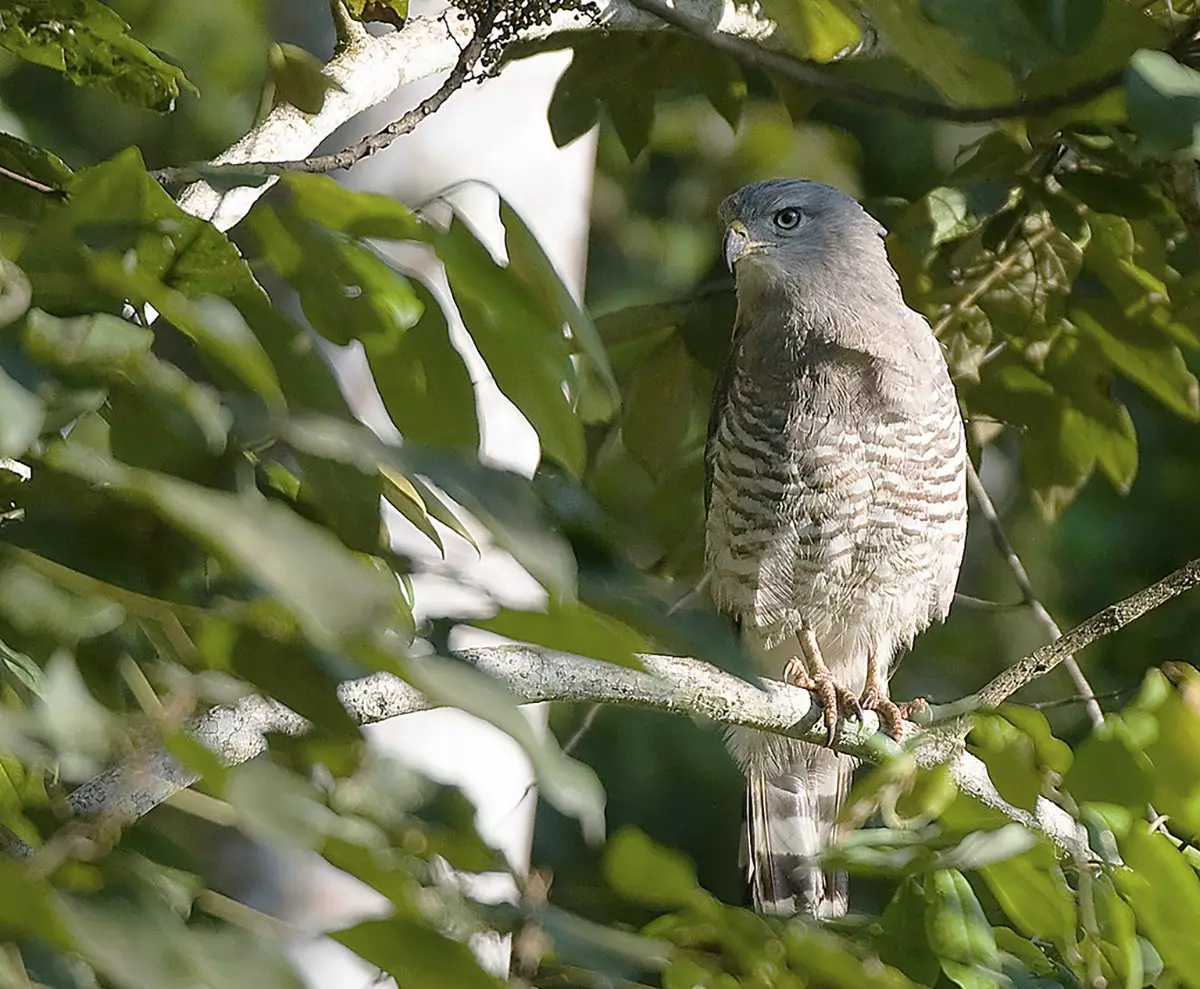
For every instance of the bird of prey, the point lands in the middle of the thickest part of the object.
(835, 498)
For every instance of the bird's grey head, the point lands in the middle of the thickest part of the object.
(789, 228)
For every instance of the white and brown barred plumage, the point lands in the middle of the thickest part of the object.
(835, 494)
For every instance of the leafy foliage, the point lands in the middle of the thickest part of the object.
(201, 515)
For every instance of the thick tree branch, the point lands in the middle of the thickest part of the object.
(1021, 575)
(369, 68)
(671, 684)
(348, 157)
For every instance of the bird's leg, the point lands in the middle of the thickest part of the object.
(875, 698)
(810, 672)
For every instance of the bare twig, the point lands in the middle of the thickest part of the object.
(1104, 622)
(347, 157)
(34, 184)
(840, 87)
(1000, 538)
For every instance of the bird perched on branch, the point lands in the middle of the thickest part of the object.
(836, 502)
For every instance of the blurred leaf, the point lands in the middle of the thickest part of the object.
(21, 416)
(280, 807)
(393, 12)
(939, 53)
(904, 944)
(90, 44)
(611, 951)
(98, 342)
(424, 383)
(569, 786)
(1109, 769)
(819, 30)
(335, 596)
(1151, 362)
(1052, 753)
(1010, 757)
(1164, 892)
(1164, 103)
(503, 502)
(570, 627)
(645, 872)
(1034, 894)
(528, 260)
(526, 353)
(959, 933)
(623, 73)
(34, 604)
(659, 408)
(147, 946)
(415, 955)
(27, 906)
(298, 77)
(347, 291)
(19, 200)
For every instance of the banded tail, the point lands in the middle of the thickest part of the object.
(789, 819)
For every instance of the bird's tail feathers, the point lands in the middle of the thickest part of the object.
(790, 819)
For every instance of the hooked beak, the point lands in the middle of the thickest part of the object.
(737, 243)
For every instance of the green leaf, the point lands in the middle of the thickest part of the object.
(424, 383)
(90, 44)
(100, 342)
(819, 30)
(500, 500)
(1109, 768)
(21, 417)
(959, 933)
(405, 498)
(18, 199)
(27, 906)
(571, 627)
(526, 353)
(1163, 98)
(1141, 355)
(1067, 24)
(569, 786)
(646, 872)
(903, 943)
(622, 73)
(1010, 757)
(415, 955)
(1033, 892)
(347, 291)
(1164, 892)
(298, 77)
(213, 323)
(529, 262)
(118, 211)
(335, 596)
(939, 54)
(393, 12)
(660, 407)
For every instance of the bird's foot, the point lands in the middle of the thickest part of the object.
(835, 700)
(892, 716)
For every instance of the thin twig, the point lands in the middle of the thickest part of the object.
(1104, 622)
(839, 87)
(983, 604)
(1025, 585)
(34, 184)
(351, 156)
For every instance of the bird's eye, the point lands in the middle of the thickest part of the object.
(787, 218)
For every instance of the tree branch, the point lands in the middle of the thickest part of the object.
(847, 89)
(670, 684)
(1105, 622)
(351, 156)
(1021, 575)
(370, 68)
